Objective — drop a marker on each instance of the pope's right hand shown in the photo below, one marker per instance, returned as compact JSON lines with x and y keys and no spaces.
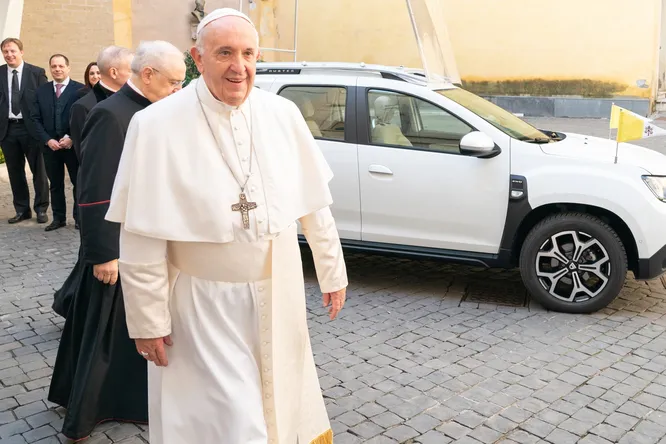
{"x":107,"y":272}
{"x":153,"y":349}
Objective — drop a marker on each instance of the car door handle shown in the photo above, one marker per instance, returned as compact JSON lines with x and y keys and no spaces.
{"x":380,"y":169}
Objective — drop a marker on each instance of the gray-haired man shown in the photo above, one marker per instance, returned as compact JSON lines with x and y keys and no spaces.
{"x":114,"y":63}
{"x":98,"y":374}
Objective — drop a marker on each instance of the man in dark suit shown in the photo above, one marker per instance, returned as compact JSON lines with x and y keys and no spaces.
{"x":18,"y":82}
{"x":50,"y":115}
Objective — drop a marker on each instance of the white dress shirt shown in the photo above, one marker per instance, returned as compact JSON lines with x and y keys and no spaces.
{"x":135,"y":88}
{"x":107,"y":86}
{"x":10,"y":75}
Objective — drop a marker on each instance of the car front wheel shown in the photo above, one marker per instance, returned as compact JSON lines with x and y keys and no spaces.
{"x":573,"y":263}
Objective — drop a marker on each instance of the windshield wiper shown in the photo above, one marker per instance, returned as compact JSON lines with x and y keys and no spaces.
{"x":536,"y":139}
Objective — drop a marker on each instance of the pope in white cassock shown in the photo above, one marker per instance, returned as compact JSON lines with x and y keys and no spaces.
{"x":211,"y":184}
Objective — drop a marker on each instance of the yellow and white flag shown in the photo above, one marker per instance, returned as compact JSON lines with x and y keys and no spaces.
{"x":631,"y":126}
{"x":615,"y":116}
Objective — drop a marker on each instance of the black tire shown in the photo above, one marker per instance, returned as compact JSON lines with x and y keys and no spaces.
{"x":609,"y":244}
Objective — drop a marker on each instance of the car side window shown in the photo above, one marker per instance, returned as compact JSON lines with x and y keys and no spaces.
{"x":323,"y":108}
{"x":401,"y":120}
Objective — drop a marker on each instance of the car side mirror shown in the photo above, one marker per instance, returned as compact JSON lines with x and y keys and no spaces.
{"x":478,"y":144}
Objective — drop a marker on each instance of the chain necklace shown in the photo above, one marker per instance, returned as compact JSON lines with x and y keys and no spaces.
{"x":243,"y":206}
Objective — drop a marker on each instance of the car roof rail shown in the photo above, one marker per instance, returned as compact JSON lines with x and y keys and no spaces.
{"x":401,"y":73}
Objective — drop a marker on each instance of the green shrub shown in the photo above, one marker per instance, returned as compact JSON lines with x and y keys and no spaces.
{"x":192,"y":72}
{"x":2,"y":158}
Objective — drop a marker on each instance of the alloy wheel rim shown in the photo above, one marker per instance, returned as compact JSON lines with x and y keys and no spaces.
{"x":573,"y":266}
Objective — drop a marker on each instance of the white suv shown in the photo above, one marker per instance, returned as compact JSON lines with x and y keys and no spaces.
{"x":438,"y":172}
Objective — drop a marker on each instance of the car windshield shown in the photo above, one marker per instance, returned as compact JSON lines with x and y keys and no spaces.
{"x":495,"y":115}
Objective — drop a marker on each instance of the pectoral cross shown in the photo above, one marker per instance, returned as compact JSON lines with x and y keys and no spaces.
{"x":244,"y":207}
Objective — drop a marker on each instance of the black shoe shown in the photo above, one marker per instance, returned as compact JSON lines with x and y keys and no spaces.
{"x":42,"y":218}
{"x":55,"y":225}
{"x":20,"y":217}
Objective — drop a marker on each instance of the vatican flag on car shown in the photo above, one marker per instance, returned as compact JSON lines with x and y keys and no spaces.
{"x":631,"y":126}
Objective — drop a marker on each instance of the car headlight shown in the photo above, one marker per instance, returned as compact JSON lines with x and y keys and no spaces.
{"x":657,"y":184}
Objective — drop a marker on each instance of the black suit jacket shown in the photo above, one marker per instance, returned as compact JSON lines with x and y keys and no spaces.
{"x":43,"y":111}
{"x":80,"y":110}
{"x":32,"y":78}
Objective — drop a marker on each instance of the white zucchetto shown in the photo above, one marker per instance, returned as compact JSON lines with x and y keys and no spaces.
{"x":221,"y":13}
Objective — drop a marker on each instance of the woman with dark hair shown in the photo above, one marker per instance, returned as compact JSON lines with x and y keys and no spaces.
{"x":91,"y":77}
{"x":92,"y":74}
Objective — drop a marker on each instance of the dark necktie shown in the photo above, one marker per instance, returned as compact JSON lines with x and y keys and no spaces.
{"x":15,"y":93}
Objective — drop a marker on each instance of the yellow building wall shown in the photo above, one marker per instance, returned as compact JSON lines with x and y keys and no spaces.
{"x":534,"y":46}
{"x":77,"y":28}
{"x":169,"y":20}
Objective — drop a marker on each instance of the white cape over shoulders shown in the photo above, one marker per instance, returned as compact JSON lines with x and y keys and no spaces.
{"x":182,"y":189}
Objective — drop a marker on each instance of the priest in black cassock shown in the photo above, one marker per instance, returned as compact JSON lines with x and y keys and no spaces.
{"x":114,"y":65}
{"x":98,"y":374}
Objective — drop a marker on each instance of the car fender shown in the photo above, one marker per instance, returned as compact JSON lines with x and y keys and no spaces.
{"x":622,"y":194}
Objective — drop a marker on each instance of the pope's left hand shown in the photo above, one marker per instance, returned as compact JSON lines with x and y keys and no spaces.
{"x":335,"y":301}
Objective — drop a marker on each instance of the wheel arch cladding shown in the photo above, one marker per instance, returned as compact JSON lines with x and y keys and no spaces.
{"x":613,"y":220}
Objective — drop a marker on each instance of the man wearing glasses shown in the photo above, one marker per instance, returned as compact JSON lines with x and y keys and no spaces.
{"x":98,"y":373}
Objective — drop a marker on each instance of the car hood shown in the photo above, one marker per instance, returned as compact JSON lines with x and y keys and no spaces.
{"x":583,"y":147}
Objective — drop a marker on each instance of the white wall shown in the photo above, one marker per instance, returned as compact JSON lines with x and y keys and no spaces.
{"x":11,"y":13}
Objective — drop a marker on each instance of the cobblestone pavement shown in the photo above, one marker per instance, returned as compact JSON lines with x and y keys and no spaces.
{"x":413,"y":358}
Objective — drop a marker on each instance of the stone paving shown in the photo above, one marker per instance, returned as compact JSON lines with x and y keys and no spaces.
{"x":412,"y":359}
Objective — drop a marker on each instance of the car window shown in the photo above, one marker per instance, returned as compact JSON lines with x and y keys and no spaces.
{"x":323,"y":108}
{"x":401,"y":120}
